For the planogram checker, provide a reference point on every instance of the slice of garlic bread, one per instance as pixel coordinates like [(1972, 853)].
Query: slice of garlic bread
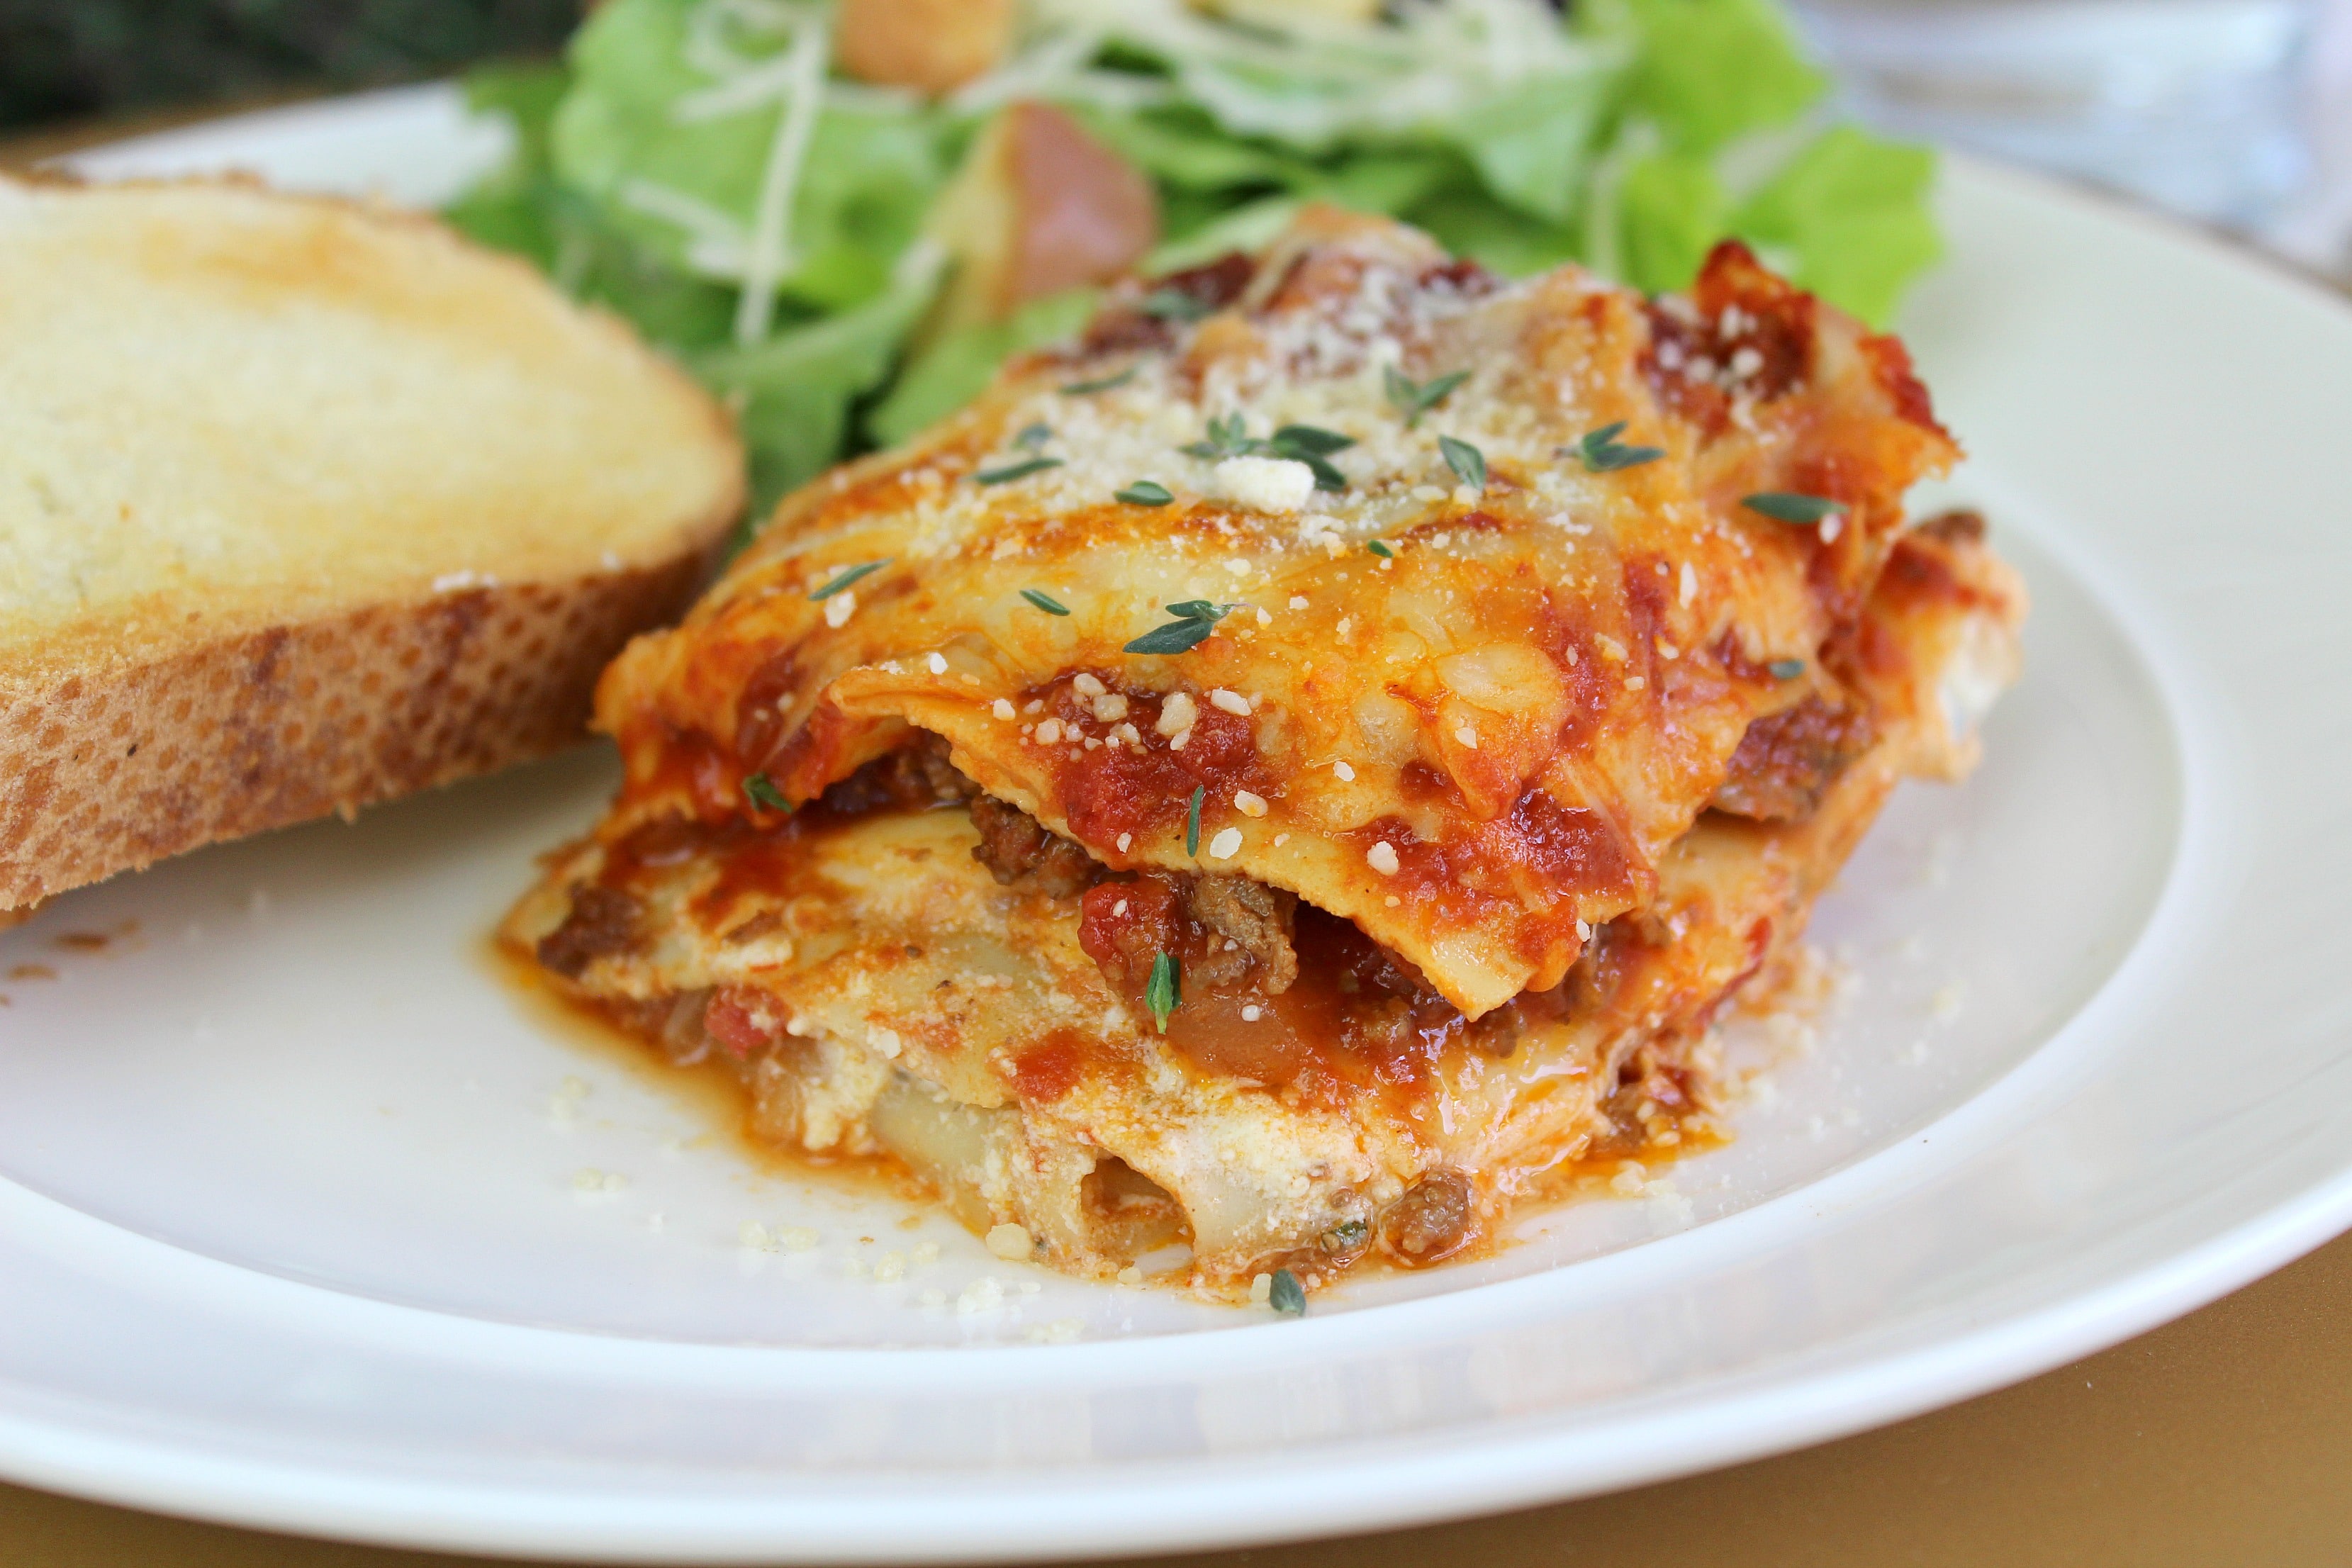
[(303, 505)]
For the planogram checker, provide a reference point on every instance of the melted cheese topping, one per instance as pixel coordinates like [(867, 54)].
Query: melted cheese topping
[(1476, 743)]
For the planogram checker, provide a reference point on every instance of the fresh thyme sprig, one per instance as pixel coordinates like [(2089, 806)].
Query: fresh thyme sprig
[(761, 791), (1012, 471), (1414, 398), (1165, 991), (1289, 1296), (1195, 619), (1601, 453), (1229, 436), (848, 575), (1469, 463), (1787, 506)]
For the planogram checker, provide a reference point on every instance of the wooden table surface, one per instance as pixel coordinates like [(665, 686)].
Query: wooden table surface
[(2223, 1438)]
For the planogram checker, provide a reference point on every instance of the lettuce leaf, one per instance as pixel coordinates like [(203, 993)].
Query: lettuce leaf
[(512, 206), (1710, 71), (956, 369), (1848, 217), (1532, 145), (1718, 86), (1672, 210), (645, 134), (792, 391), (522, 206), (1469, 222)]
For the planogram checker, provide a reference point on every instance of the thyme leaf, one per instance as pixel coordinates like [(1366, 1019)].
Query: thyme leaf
[(1046, 601), (1165, 992), (1103, 383), (1327, 474), (1347, 1234), (1381, 548), (1145, 493), (1312, 438), (1289, 1296), (1786, 668), (1787, 506), (848, 575), (1602, 452), (1012, 471), (1414, 398), (761, 791), (1469, 463), (1179, 635), (1229, 436)]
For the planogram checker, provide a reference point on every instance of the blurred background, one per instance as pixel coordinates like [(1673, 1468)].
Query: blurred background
[(2233, 112)]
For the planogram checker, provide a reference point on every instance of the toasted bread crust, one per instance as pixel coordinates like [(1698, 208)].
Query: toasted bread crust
[(109, 767)]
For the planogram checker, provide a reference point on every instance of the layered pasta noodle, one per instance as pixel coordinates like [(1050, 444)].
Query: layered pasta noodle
[(1292, 771)]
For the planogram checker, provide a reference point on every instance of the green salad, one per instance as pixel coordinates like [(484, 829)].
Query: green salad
[(709, 170)]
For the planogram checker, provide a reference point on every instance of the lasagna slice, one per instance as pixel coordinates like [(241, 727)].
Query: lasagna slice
[(1287, 772)]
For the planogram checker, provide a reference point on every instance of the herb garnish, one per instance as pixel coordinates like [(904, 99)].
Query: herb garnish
[(1228, 438), (847, 576), (1786, 668), (1787, 506), (761, 790), (1165, 992), (1086, 388), (1046, 601), (1311, 445), (1469, 463), (1192, 821), (1312, 438), (1603, 454), (1414, 398), (1195, 619), (1347, 1234), (1381, 548), (1173, 305), (1145, 493), (1033, 437), (1012, 471), (1288, 1295)]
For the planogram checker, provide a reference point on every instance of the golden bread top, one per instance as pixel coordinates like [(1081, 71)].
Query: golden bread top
[(223, 408)]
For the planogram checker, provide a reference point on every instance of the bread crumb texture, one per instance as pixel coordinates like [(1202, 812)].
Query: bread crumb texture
[(303, 504)]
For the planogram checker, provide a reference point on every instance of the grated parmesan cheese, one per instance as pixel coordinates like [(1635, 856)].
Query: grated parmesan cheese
[(1265, 484)]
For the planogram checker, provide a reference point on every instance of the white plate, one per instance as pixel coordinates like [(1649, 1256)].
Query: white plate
[(292, 1230)]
